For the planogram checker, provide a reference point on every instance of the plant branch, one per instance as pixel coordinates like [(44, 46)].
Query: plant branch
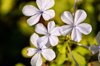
[(69, 49), (75, 5)]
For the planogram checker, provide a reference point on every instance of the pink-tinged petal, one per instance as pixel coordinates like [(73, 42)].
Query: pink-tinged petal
[(29, 10), (40, 28), (36, 60), (80, 16), (65, 30), (84, 28), (53, 40), (45, 4), (34, 19), (98, 38), (76, 35), (67, 17), (34, 39), (48, 14), (51, 26), (48, 54), (31, 51)]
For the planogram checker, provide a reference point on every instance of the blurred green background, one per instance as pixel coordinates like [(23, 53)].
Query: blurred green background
[(15, 32)]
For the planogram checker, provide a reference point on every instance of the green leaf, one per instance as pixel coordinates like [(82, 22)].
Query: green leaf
[(61, 48), (88, 40), (60, 59), (6, 6), (83, 51), (80, 59)]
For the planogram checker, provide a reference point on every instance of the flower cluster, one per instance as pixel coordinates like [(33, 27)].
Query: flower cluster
[(74, 26)]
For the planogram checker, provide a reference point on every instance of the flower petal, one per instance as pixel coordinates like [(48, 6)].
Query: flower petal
[(36, 60), (48, 14), (66, 29), (55, 31), (45, 4), (53, 40), (31, 51), (76, 35), (42, 41), (29, 10), (34, 19), (67, 17), (84, 28), (34, 39), (94, 49), (51, 26), (80, 16), (40, 28), (99, 57), (48, 54), (98, 37)]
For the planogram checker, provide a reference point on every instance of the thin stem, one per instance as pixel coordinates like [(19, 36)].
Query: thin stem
[(75, 5), (43, 22), (81, 45), (69, 49)]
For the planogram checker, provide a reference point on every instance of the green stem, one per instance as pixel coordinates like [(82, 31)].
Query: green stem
[(69, 49)]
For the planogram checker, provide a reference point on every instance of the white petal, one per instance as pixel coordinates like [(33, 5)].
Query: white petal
[(45, 4), (67, 17), (66, 29), (48, 14), (51, 26), (40, 28), (36, 60), (55, 31), (34, 19), (99, 57), (48, 54), (84, 28), (42, 41), (34, 39), (53, 40), (98, 37), (29, 10), (31, 51), (76, 35), (94, 49), (80, 16)]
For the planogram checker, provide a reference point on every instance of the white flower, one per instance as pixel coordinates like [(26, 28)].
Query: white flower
[(44, 6), (96, 48), (40, 49), (50, 34), (75, 25)]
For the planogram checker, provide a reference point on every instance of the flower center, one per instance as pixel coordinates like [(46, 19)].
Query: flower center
[(73, 26), (48, 34), (39, 49), (41, 11)]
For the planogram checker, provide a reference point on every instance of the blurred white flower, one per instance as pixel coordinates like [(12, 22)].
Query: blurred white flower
[(50, 34), (96, 48), (75, 25), (44, 6), (40, 49)]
